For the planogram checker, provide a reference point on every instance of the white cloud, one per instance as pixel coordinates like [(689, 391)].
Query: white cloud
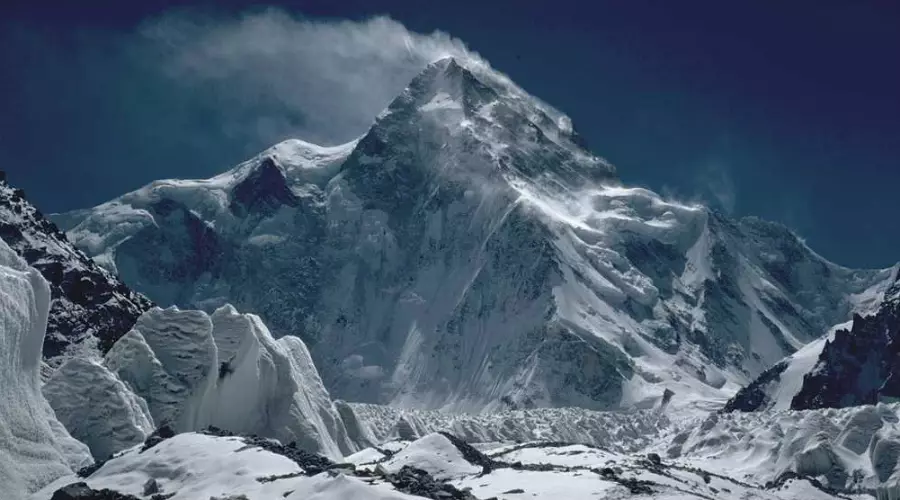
[(283, 75)]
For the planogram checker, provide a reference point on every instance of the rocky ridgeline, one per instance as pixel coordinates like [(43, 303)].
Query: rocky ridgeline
[(88, 301)]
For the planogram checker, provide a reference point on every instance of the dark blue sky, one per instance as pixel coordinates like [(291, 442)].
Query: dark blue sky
[(786, 110)]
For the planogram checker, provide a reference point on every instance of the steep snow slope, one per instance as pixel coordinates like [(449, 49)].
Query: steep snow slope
[(469, 253), (776, 387), (34, 447), (87, 301), (195, 370)]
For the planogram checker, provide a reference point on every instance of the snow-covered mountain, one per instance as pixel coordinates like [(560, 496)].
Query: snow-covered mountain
[(88, 301), (34, 447), (855, 364), (469, 253)]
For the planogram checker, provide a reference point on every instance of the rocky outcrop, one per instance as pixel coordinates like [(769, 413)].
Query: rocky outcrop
[(858, 366), (88, 302)]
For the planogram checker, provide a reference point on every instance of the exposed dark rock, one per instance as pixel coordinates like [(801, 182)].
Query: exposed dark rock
[(472, 455), (162, 433), (418, 482), (90, 469), (151, 487), (309, 462), (754, 397), (81, 491), (88, 301), (263, 191), (860, 366)]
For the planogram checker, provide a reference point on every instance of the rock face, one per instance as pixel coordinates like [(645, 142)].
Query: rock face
[(469, 253), (225, 370), (855, 364), (861, 365), (35, 449), (88, 301)]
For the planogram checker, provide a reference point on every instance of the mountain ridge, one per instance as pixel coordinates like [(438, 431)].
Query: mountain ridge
[(88, 301), (469, 225)]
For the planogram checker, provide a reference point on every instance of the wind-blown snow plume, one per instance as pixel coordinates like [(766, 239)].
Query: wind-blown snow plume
[(323, 80)]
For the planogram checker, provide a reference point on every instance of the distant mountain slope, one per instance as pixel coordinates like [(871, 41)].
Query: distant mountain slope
[(88, 301), (469, 253), (858, 363)]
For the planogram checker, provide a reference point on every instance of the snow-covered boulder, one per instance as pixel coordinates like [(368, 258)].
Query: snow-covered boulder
[(35, 449), (97, 408), (435, 454), (226, 370)]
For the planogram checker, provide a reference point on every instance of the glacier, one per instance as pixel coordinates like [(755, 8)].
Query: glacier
[(469, 253), (781, 455)]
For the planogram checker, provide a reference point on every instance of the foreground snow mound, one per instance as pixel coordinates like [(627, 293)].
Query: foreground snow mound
[(35, 449), (89, 305), (195, 370), (469, 253), (197, 466), (435, 454), (97, 408)]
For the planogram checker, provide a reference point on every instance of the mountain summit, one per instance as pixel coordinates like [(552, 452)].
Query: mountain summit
[(468, 252)]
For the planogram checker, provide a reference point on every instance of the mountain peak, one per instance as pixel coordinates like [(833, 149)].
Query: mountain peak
[(264, 189), (460, 118)]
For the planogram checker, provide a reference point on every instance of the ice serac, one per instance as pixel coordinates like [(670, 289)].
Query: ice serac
[(97, 408), (35, 449), (88, 302), (469, 253), (225, 370)]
